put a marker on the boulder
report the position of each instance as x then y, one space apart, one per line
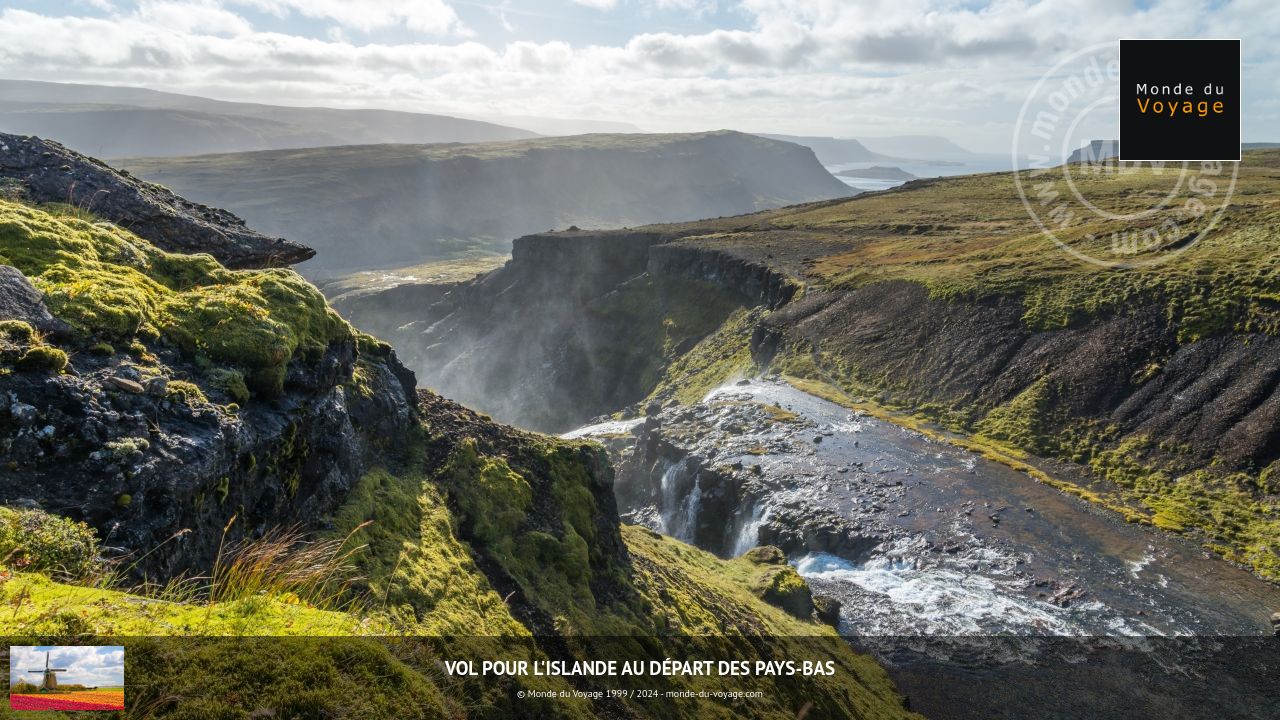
45 172
20 300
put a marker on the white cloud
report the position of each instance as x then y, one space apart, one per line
597 4
426 16
192 16
100 666
800 66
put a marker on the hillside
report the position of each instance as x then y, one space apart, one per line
1150 391
831 151
365 207
108 121
198 451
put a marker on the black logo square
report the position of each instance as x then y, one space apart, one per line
1180 100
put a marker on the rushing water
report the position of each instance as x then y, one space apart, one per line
971 547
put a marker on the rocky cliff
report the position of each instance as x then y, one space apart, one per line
1151 391
576 324
148 393
193 450
42 171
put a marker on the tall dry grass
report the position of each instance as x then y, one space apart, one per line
283 562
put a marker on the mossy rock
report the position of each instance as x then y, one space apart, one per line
766 555
230 382
184 391
42 358
112 286
17 331
827 609
784 588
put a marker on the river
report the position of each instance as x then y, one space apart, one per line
932 541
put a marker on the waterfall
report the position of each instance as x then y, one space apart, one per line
670 491
689 526
749 534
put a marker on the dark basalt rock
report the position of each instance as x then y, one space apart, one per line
44 171
20 300
75 445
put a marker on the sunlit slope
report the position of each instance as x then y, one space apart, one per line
1154 385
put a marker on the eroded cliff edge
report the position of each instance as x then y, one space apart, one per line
1151 391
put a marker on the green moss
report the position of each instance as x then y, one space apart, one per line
18 331
111 285
230 382
490 496
102 349
185 392
42 358
45 604
783 587
719 357
38 541
128 447
1023 420
370 345
360 383
414 565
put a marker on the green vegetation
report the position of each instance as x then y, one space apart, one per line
39 542
649 324
18 332
186 392
414 567
42 358
419 577
480 531
113 286
716 359
230 382
968 240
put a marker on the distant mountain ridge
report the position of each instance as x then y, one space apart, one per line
379 206
107 121
1095 151
830 150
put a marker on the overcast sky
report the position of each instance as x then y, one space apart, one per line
823 67
101 666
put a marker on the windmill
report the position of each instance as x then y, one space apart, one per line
50 674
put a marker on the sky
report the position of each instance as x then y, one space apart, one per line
93 666
840 68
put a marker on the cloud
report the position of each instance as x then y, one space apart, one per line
426 16
192 16
801 66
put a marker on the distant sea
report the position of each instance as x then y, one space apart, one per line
921 169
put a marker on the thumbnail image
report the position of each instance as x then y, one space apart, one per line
66 677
